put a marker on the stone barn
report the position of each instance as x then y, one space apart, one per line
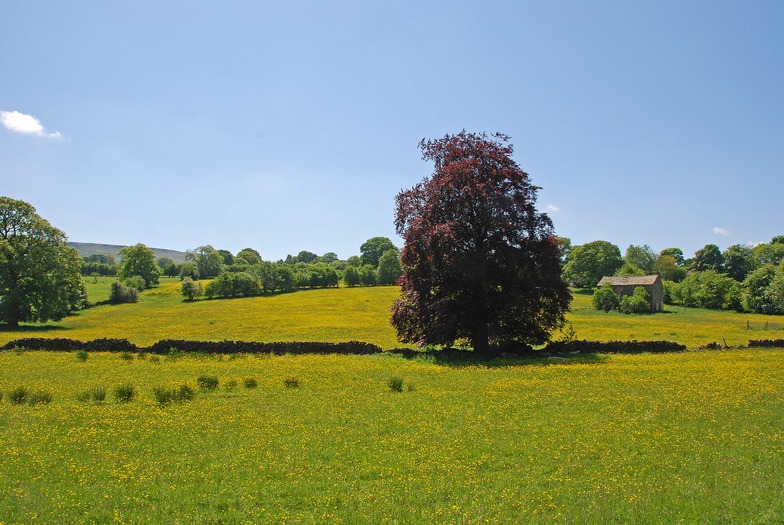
626 286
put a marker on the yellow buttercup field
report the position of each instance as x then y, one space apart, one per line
695 437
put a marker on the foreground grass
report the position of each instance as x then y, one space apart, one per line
695 437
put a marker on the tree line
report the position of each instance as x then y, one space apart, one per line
740 278
246 274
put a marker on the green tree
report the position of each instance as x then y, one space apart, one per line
637 303
139 260
675 253
763 290
708 257
389 268
250 255
189 289
588 263
351 276
228 258
738 261
368 275
373 249
306 257
709 289
667 266
643 257
164 262
770 253
39 272
208 261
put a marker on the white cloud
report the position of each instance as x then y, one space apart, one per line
25 124
721 231
552 208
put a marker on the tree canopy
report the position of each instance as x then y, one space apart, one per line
588 263
39 272
139 260
480 264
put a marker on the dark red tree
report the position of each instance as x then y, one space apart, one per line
480 264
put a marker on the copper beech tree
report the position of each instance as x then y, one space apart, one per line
480 263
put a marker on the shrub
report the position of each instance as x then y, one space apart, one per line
250 382
207 382
39 398
124 393
120 293
291 382
137 282
604 298
189 289
81 355
18 395
395 384
637 303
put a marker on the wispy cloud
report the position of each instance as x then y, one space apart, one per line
552 208
721 231
25 124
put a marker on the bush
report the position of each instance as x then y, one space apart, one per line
604 298
137 282
81 355
124 393
637 303
120 293
189 289
395 384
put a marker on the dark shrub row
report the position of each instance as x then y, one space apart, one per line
767 343
613 347
202 347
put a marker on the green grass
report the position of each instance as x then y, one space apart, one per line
694 438
98 288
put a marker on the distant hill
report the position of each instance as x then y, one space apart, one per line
86 249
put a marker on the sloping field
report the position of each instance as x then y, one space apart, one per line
695 437
359 314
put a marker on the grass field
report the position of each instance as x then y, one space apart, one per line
694 438
358 314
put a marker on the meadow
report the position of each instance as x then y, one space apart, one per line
695 438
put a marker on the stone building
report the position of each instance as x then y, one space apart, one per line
626 286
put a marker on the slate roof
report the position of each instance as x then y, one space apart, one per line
631 280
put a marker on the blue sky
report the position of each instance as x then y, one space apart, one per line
288 126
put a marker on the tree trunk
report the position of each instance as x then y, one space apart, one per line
480 339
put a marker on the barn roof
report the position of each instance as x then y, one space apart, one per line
631 280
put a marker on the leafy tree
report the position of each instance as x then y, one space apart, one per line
139 260
778 239
354 261
164 262
709 289
770 253
588 263
351 276
708 258
630 269
389 268
330 257
763 290
39 272
667 266
208 261
306 257
250 255
738 261
565 246
368 275
189 270
373 249
228 258
604 298
643 257
479 262
99 258
189 289
675 253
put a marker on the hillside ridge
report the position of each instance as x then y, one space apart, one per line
86 249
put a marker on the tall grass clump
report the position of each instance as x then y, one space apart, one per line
18 395
207 382
395 384
39 398
250 382
291 382
165 395
81 355
124 393
96 394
